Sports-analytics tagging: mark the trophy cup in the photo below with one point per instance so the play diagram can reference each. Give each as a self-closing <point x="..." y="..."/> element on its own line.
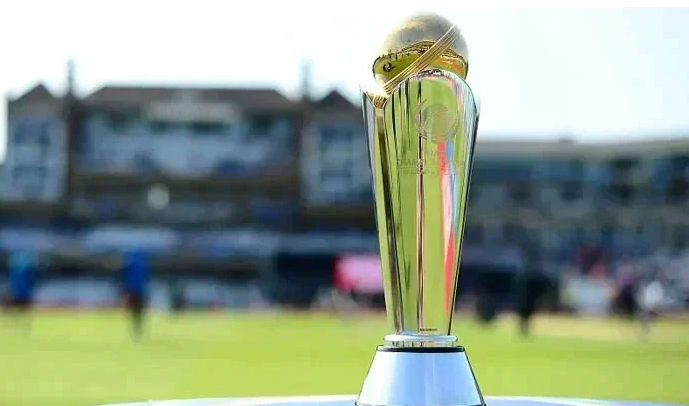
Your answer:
<point x="421" y="120"/>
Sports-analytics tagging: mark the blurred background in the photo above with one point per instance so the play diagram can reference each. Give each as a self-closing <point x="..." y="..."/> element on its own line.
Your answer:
<point x="186" y="205"/>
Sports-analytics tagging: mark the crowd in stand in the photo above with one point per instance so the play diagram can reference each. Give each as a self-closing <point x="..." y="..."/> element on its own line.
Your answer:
<point x="655" y="282"/>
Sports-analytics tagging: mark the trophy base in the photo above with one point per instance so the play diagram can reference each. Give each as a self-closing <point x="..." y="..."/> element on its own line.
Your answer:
<point x="420" y="376"/>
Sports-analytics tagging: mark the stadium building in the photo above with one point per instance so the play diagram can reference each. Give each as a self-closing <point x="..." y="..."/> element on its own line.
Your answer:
<point x="244" y="180"/>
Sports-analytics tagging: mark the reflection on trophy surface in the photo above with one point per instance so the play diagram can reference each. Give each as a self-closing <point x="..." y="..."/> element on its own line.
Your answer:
<point x="421" y="119"/>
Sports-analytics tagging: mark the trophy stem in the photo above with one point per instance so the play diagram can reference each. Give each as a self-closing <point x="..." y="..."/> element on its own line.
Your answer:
<point x="420" y="340"/>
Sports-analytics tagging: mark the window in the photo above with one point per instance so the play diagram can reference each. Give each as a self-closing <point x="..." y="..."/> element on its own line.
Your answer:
<point x="557" y="170"/>
<point x="44" y="133"/>
<point x="622" y="170"/>
<point x="340" y="164"/>
<point x="29" y="180"/>
<point x="597" y="175"/>
<point x="271" y="211"/>
<point x="513" y="233"/>
<point x="521" y="193"/>
<point x="493" y="170"/>
<point x="19" y="133"/>
<point x="207" y="128"/>
<point x="660" y="169"/>
<point x="160" y="127"/>
<point x="623" y="164"/>
<point x="261" y="124"/>
<point x="34" y="132"/>
<point x="622" y="192"/>
<point x="117" y="121"/>
<point x="335" y="149"/>
<point x="680" y="235"/>
<point x="679" y="189"/>
<point x="571" y="191"/>
<point x="474" y="192"/>
<point x="679" y="164"/>
<point x="473" y="234"/>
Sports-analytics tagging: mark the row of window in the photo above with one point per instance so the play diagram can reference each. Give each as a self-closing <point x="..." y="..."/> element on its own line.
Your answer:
<point x="30" y="182"/>
<point x="182" y="209"/>
<point x="344" y="147"/>
<point x="36" y="131"/>
<point x="121" y="122"/>
<point x="337" y="167"/>
<point x="569" y="192"/>
<point x="639" y="238"/>
<point x="337" y="161"/>
<point x="658" y="170"/>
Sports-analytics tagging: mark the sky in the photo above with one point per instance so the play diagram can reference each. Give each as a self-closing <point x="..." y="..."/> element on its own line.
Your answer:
<point x="597" y="74"/>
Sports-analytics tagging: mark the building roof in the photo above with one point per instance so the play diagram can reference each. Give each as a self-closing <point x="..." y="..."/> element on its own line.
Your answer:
<point x="38" y="92"/>
<point x="135" y="96"/>
<point x="336" y="101"/>
<point x="37" y="100"/>
<point x="522" y="147"/>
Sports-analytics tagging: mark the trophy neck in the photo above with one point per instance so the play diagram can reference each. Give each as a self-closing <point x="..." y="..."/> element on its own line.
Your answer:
<point x="420" y="340"/>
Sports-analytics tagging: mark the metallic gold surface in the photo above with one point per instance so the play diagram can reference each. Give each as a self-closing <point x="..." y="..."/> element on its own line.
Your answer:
<point x="421" y="124"/>
<point x="421" y="147"/>
<point x="411" y="40"/>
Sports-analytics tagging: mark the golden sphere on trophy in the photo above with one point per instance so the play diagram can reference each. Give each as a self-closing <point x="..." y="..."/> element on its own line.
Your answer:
<point x="403" y="48"/>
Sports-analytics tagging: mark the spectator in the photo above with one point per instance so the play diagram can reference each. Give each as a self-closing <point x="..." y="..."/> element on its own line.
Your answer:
<point x="22" y="272"/>
<point x="135" y="274"/>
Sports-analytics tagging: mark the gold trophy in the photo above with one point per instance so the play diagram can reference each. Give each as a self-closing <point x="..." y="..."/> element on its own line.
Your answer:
<point x="421" y="119"/>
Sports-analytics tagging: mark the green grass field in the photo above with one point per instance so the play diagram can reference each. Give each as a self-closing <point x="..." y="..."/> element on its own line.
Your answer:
<point x="78" y="359"/>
